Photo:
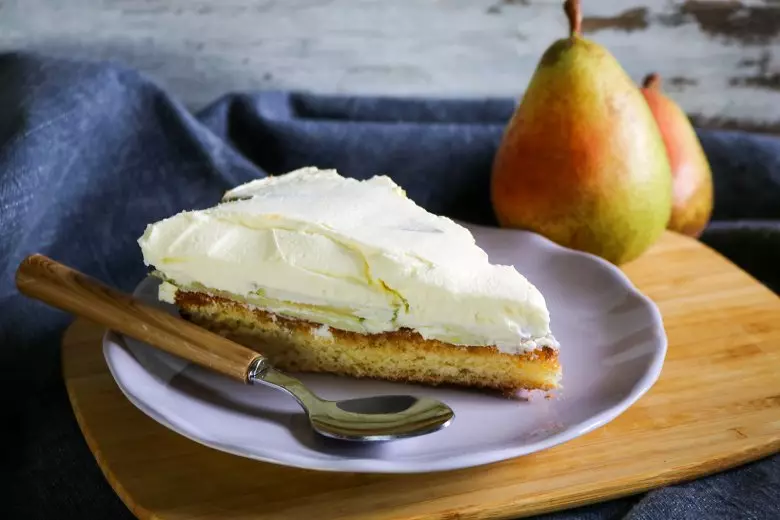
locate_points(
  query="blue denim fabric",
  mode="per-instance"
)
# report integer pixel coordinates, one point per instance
(90, 153)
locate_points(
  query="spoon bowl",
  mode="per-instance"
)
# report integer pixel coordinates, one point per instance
(421, 417)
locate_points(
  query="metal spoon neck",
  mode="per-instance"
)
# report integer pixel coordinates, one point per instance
(257, 369)
(262, 372)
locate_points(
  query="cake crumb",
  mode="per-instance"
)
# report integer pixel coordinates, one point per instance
(323, 331)
(166, 292)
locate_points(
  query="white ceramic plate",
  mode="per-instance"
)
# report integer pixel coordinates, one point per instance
(612, 349)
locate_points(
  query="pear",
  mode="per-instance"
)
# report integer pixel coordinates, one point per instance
(692, 190)
(582, 161)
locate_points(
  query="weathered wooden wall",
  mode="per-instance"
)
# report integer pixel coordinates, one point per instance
(721, 58)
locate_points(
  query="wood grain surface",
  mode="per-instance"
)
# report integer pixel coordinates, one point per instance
(56, 284)
(716, 405)
(721, 58)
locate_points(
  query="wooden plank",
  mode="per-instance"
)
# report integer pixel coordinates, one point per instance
(721, 58)
(716, 405)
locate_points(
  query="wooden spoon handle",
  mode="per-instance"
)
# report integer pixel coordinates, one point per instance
(62, 287)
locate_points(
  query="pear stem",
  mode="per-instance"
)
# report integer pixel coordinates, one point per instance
(652, 81)
(574, 14)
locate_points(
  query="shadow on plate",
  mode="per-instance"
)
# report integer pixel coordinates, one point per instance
(296, 422)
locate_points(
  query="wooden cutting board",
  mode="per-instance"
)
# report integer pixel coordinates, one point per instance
(715, 406)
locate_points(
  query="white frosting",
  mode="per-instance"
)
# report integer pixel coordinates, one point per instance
(354, 255)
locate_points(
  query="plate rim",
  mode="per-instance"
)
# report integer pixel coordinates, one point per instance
(112, 340)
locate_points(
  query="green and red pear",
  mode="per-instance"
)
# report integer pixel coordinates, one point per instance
(582, 161)
(692, 190)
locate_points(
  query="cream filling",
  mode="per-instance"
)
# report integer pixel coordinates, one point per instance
(354, 255)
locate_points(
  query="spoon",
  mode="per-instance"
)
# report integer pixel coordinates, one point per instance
(379, 418)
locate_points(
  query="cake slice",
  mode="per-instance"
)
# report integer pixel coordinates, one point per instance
(322, 273)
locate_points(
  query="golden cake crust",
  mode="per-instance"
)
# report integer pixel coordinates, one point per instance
(403, 355)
